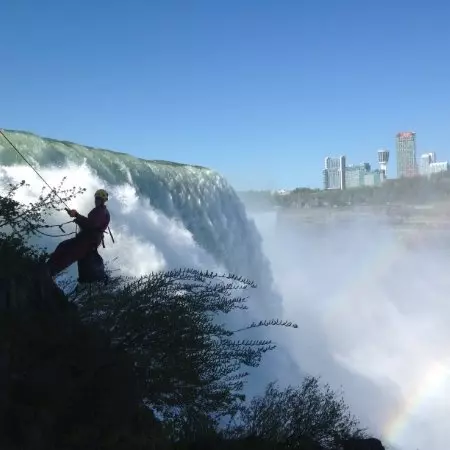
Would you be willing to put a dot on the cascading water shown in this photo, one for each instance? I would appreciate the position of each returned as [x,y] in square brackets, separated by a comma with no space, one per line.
[347,288]
[164,215]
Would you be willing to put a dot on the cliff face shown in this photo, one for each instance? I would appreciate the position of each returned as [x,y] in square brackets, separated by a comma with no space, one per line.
[34,290]
[62,385]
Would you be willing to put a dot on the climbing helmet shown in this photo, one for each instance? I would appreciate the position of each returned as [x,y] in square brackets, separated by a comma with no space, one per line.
[101,193]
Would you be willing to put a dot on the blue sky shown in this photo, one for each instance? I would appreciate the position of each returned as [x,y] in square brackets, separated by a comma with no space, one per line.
[261,90]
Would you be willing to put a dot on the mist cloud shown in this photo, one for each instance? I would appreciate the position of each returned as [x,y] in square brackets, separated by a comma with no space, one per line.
[373,316]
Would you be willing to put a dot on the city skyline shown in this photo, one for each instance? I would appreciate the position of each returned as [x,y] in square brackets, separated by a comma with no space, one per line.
[337,174]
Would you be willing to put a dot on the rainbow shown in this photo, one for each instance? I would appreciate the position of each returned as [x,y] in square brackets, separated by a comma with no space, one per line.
[397,425]
[436,373]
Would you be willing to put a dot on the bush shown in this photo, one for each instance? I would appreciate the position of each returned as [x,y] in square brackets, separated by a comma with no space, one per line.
[186,361]
[298,414]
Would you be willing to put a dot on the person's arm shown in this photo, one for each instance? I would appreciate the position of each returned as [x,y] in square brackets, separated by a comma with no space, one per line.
[94,221]
[82,222]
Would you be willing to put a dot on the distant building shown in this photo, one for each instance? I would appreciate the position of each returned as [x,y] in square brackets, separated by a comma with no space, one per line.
[436,167]
[424,163]
[282,192]
[428,164]
[334,173]
[325,179]
[406,154]
[354,175]
[337,175]
[374,178]
[383,159]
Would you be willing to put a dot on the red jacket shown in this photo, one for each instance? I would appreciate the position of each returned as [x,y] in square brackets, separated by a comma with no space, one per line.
[94,225]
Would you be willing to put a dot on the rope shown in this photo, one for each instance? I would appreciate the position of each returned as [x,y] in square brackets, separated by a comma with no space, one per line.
[53,190]
[55,235]
[59,226]
[34,170]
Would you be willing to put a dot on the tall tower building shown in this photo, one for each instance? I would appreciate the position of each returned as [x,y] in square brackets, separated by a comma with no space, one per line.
[383,159]
[406,154]
[334,173]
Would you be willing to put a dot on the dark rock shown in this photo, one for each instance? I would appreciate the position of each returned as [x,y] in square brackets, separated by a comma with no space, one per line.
[35,290]
[62,384]
[361,444]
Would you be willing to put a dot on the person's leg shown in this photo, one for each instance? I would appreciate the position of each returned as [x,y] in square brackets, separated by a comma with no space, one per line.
[56,259]
[66,253]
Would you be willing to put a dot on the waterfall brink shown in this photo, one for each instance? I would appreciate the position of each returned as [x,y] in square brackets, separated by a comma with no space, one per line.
[164,215]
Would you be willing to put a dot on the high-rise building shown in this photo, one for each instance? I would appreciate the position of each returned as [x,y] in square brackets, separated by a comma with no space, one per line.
[406,154]
[374,178]
[424,163]
[334,173]
[429,165]
[436,167]
[354,175]
[326,181]
[383,159]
